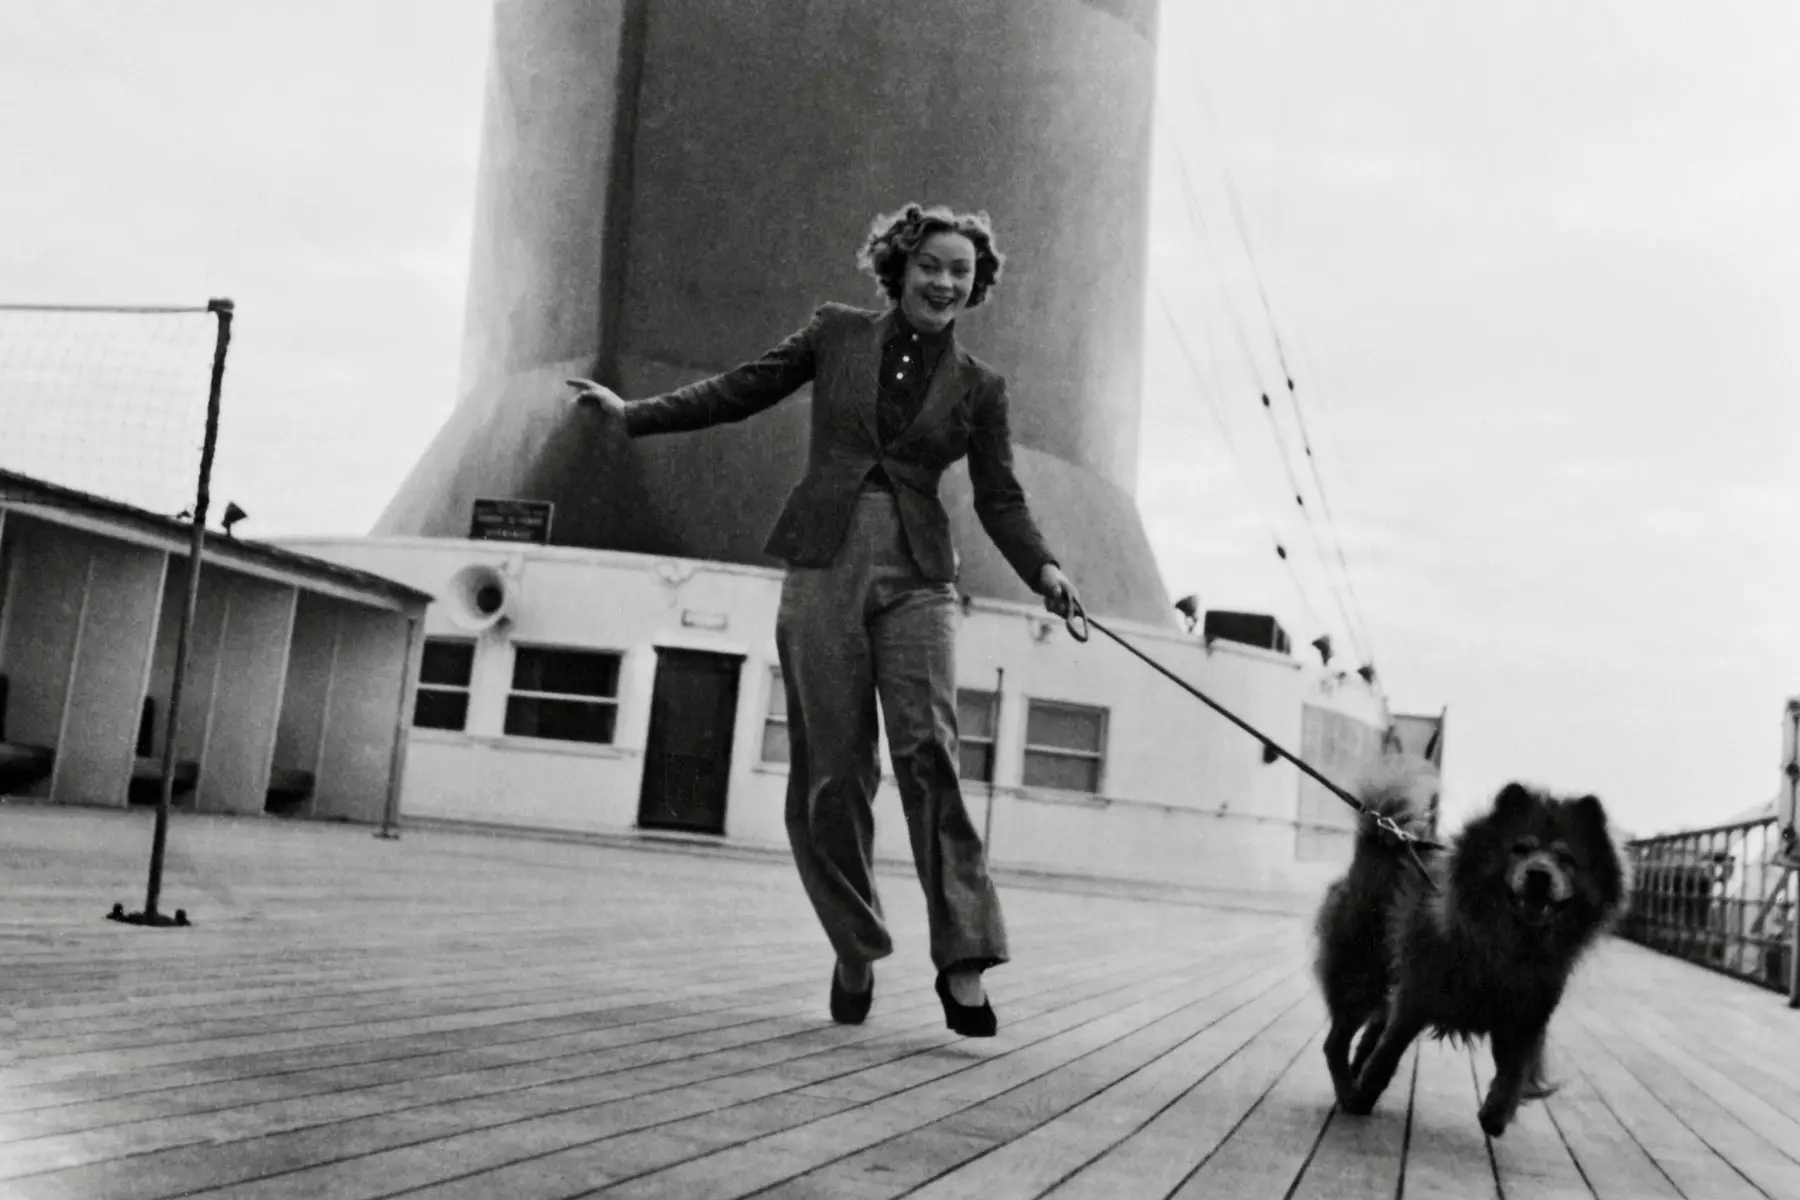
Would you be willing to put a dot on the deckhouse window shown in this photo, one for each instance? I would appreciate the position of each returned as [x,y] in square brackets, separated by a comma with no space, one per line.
[564,695]
[1064,746]
[442,701]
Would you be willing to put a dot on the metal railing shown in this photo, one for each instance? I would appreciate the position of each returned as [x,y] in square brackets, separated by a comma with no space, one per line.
[1721,897]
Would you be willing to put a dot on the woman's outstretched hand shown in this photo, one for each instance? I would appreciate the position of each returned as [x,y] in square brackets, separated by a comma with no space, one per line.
[1059,594]
[591,395]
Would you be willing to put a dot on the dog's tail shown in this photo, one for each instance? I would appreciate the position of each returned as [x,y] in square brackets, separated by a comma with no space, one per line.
[1399,792]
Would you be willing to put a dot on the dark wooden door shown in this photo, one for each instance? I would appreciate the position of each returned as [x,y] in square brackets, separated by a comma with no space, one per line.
[687,761]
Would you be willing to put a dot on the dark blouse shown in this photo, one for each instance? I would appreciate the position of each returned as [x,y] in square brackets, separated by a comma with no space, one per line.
[908,360]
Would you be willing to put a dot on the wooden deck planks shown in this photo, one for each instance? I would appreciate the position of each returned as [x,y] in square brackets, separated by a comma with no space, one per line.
[998,1072]
[1773,1167]
[1613,1163]
[522,1117]
[1446,1152]
[1156,1157]
[1357,1156]
[927,1059]
[453,1017]
[725,1111]
[1045,1131]
[1532,1160]
[1267,1152]
[1693,1166]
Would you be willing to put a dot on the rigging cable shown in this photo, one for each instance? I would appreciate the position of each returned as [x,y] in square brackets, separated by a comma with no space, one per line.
[1285,452]
[1356,626]
[1337,541]
[1212,402]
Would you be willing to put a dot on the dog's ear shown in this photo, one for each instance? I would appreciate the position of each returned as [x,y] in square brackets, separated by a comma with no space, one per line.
[1588,816]
[1513,799]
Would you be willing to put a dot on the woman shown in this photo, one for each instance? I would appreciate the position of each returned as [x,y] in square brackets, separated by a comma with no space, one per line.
[868,604]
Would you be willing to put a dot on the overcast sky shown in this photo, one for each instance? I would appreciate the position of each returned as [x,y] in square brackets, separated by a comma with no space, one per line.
[1535,269]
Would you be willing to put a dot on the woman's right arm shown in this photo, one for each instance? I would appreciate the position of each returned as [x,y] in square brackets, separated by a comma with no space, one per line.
[741,392]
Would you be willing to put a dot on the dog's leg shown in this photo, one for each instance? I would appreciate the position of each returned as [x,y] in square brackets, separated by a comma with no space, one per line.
[1371,1034]
[1337,1053]
[1403,1025]
[1516,1056]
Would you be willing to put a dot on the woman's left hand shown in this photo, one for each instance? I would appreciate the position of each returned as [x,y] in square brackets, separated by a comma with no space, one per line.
[1059,594]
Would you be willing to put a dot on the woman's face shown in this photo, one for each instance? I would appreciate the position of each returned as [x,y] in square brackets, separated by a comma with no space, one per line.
[938,276]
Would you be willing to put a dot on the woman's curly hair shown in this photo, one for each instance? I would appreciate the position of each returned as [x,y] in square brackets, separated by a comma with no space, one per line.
[893,237]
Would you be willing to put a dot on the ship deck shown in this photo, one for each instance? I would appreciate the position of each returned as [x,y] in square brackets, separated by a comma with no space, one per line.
[456,1015]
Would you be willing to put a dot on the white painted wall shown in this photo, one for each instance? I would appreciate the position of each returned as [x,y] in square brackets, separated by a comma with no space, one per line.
[46,590]
[1186,795]
[205,642]
[369,674]
[299,737]
[252,660]
[94,748]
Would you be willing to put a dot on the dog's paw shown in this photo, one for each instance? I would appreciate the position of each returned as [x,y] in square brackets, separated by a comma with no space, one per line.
[1354,1105]
[1494,1119]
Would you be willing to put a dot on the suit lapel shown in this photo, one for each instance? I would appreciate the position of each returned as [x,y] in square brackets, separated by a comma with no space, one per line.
[862,367]
[945,393]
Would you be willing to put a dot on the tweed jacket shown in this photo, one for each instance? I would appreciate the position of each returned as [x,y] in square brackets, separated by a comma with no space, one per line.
[839,352]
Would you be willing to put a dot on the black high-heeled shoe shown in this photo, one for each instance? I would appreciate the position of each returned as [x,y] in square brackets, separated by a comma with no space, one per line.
[849,1008]
[969,1020]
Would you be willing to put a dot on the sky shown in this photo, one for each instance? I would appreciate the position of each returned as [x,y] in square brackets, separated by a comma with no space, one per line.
[1533,269]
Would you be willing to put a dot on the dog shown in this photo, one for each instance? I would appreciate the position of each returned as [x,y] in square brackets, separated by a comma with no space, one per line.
[1483,944]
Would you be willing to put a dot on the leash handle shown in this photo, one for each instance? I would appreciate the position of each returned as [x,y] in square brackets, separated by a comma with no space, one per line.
[1069,618]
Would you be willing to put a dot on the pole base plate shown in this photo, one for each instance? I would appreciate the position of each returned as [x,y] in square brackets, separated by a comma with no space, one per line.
[160,920]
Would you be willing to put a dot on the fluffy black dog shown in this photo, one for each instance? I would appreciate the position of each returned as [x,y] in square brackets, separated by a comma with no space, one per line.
[1485,947]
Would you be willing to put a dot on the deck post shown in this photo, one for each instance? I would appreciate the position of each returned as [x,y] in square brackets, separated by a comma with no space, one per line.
[1793,958]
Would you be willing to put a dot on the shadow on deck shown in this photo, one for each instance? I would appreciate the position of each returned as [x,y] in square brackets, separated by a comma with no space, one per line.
[450,1015]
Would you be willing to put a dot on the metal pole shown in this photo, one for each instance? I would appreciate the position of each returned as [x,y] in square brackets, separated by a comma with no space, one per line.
[224,310]
[390,812]
[153,309]
[987,832]
[1790,846]
[1793,962]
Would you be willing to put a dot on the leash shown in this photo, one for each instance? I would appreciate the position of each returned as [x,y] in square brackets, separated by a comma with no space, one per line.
[1409,841]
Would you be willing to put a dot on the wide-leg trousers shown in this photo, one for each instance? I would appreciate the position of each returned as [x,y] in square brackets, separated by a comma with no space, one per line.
[867,625]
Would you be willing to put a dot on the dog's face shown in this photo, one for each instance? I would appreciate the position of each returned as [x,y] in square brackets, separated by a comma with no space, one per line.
[1554,859]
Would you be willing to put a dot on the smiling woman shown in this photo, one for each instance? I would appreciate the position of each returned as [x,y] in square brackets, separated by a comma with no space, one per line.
[869,603]
[932,264]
